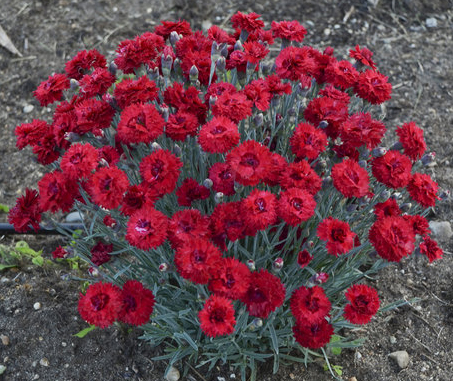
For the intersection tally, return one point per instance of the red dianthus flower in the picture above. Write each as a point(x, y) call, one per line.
point(107, 187)
point(26, 214)
point(230, 279)
point(147, 228)
point(79, 160)
point(187, 224)
point(138, 303)
point(341, 74)
point(30, 133)
point(247, 21)
point(388, 208)
point(304, 258)
point(181, 27)
point(363, 55)
point(257, 92)
point(288, 30)
point(339, 237)
point(300, 175)
point(93, 115)
point(350, 179)
point(360, 129)
point(217, 316)
point(100, 253)
point(101, 305)
point(259, 209)
point(430, 248)
point(57, 192)
point(219, 135)
point(313, 336)
point(265, 294)
point(392, 169)
point(423, 189)
point(190, 191)
point(411, 137)
point(228, 221)
point(293, 63)
point(308, 141)
point(83, 61)
point(222, 177)
point(373, 87)
point(254, 51)
point(96, 83)
point(234, 106)
point(181, 125)
point(141, 90)
point(51, 90)
point(309, 305)
point(364, 303)
point(295, 206)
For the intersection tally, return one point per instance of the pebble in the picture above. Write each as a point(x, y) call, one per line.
point(431, 22)
point(173, 374)
point(441, 230)
point(74, 217)
point(392, 340)
point(327, 32)
point(352, 379)
point(37, 306)
point(4, 339)
point(401, 358)
point(28, 109)
point(44, 362)
point(2, 369)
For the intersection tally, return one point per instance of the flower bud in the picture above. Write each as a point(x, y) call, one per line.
point(362, 163)
point(193, 74)
point(323, 124)
point(208, 183)
point(72, 137)
point(212, 100)
point(74, 84)
point(218, 198)
point(155, 146)
point(103, 163)
point(174, 38)
point(258, 119)
point(167, 63)
point(396, 146)
point(113, 68)
point(319, 278)
point(428, 158)
point(327, 182)
point(251, 265)
point(165, 113)
point(444, 194)
point(405, 207)
point(224, 51)
point(238, 188)
point(220, 65)
point(238, 45)
point(93, 271)
point(177, 150)
point(163, 267)
point(177, 66)
point(277, 265)
point(216, 50)
point(378, 152)
point(257, 322)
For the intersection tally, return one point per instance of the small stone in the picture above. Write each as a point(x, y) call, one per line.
point(327, 32)
point(4, 339)
point(35, 377)
point(431, 22)
point(352, 379)
point(441, 230)
point(74, 217)
point(220, 378)
point(173, 374)
point(64, 343)
point(392, 340)
point(44, 362)
point(37, 306)
point(2, 369)
point(358, 356)
point(292, 376)
point(401, 358)
point(28, 109)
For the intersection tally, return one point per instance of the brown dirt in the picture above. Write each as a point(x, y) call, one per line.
point(417, 59)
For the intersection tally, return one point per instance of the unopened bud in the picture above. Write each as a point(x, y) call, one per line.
point(406, 207)
point(321, 165)
point(177, 66)
point(250, 68)
point(378, 152)
point(327, 182)
point(177, 150)
point(103, 163)
point(193, 74)
point(258, 120)
point(396, 146)
point(257, 322)
point(208, 183)
point(319, 278)
point(444, 194)
point(163, 267)
point(155, 146)
point(93, 271)
point(72, 137)
point(212, 100)
point(238, 188)
point(238, 45)
point(251, 264)
point(323, 124)
point(165, 113)
point(216, 50)
point(74, 84)
point(167, 63)
point(277, 265)
point(220, 64)
point(362, 163)
point(174, 38)
point(428, 158)
point(218, 198)
point(113, 68)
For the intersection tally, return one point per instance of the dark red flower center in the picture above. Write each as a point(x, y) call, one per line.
point(250, 160)
point(296, 203)
point(198, 256)
point(143, 226)
point(225, 175)
point(218, 130)
point(312, 304)
point(76, 158)
point(257, 296)
point(99, 301)
point(130, 303)
point(157, 168)
point(260, 204)
point(106, 183)
point(338, 235)
point(217, 316)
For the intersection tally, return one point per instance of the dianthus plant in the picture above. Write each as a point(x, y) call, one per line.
point(232, 199)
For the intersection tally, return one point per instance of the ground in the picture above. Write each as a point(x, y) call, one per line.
point(412, 44)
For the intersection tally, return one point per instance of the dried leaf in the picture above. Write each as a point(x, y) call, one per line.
point(7, 44)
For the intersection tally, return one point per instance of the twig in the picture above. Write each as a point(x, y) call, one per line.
point(423, 345)
point(198, 374)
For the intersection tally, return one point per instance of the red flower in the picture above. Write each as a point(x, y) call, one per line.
point(96, 83)
point(363, 55)
point(59, 252)
point(265, 294)
point(392, 169)
point(190, 191)
point(341, 74)
point(26, 212)
point(331, 92)
point(313, 336)
point(131, 54)
point(47, 149)
point(254, 51)
point(364, 303)
point(181, 27)
point(419, 223)
point(308, 141)
point(275, 86)
point(141, 90)
point(350, 179)
point(423, 189)
point(411, 137)
point(217, 316)
point(79, 160)
point(83, 61)
point(186, 224)
point(51, 90)
point(373, 87)
point(339, 237)
point(234, 106)
point(219, 135)
point(109, 154)
point(181, 125)
point(161, 170)
point(220, 36)
point(101, 305)
point(295, 206)
point(138, 303)
point(300, 175)
point(304, 258)
point(293, 63)
point(136, 197)
point(57, 192)
point(309, 305)
point(387, 208)
point(140, 123)
point(228, 221)
point(278, 165)
point(196, 260)
point(260, 209)
point(430, 248)
point(218, 88)
point(237, 60)
point(30, 133)
point(222, 177)
point(288, 30)
point(109, 221)
point(360, 129)
point(257, 92)
point(392, 237)
point(250, 161)
point(93, 115)
point(231, 279)
point(247, 21)
point(107, 187)
point(147, 228)
point(100, 253)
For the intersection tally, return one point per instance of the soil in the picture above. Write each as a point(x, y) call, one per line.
point(413, 52)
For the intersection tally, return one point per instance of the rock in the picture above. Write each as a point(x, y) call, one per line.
point(28, 109)
point(4, 339)
point(173, 374)
point(37, 306)
point(352, 379)
point(2, 369)
point(74, 217)
point(431, 22)
point(441, 230)
point(44, 362)
point(401, 358)
point(392, 340)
